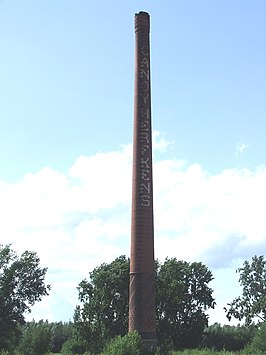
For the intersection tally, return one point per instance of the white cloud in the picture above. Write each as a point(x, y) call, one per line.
point(78, 220)
point(160, 143)
point(200, 211)
point(101, 181)
point(240, 149)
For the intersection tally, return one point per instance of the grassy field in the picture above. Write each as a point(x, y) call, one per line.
point(210, 352)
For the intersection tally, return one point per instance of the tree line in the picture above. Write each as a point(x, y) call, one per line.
point(183, 297)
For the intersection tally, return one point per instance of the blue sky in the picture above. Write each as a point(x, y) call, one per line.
point(66, 119)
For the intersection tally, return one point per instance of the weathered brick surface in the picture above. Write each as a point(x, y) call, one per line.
point(142, 278)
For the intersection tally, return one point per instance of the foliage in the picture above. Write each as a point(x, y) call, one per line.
point(74, 345)
point(36, 338)
point(60, 333)
point(200, 352)
point(104, 314)
point(21, 285)
point(129, 344)
point(41, 337)
point(252, 304)
point(231, 338)
point(259, 341)
point(211, 352)
point(183, 296)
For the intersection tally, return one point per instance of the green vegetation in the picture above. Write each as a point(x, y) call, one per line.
point(104, 311)
point(53, 338)
point(100, 322)
point(182, 297)
point(227, 337)
point(128, 345)
point(252, 304)
point(211, 352)
point(42, 337)
point(21, 285)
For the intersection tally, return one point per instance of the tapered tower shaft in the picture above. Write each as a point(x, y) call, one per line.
point(142, 270)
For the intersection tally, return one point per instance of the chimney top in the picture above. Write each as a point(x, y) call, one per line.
point(142, 21)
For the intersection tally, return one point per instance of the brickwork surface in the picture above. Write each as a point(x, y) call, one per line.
point(142, 277)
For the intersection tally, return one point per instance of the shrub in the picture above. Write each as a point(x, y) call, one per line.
point(74, 346)
point(129, 344)
point(259, 341)
point(230, 338)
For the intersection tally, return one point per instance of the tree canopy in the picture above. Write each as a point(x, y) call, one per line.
point(183, 296)
point(21, 285)
point(105, 303)
point(251, 305)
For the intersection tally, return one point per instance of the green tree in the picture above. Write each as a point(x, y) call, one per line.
point(105, 303)
point(259, 341)
point(183, 296)
point(226, 337)
point(252, 304)
point(60, 333)
point(41, 337)
point(36, 338)
point(21, 285)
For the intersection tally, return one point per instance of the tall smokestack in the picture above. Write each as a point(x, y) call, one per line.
point(142, 268)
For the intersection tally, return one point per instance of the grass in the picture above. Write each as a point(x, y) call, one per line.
point(211, 352)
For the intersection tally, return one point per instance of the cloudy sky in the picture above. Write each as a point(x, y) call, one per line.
point(66, 119)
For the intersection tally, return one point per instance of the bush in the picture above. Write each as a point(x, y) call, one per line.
point(230, 338)
point(259, 341)
point(129, 344)
point(211, 352)
point(165, 347)
point(74, 346)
